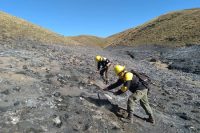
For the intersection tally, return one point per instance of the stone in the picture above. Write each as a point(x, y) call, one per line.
point(5, 92)
point(57, 94)
point(57, 121)
point(17, 88)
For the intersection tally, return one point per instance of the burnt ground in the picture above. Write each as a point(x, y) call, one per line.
point(55, 89)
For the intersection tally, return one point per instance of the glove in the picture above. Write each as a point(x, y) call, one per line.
point(115, 93)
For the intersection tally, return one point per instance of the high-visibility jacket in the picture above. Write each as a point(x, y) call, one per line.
point(130, 82)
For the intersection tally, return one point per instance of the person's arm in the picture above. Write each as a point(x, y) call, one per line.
point(124, 88)
point(116, 84)
point(108, 63)
point(98, 65)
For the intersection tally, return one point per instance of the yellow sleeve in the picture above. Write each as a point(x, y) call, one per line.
point(128, 76)
point(127, 81)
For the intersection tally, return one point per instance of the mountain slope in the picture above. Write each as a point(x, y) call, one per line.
point(89, 40)
point(14, 30)
point(174, 29)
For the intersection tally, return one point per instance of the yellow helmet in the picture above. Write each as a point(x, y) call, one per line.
point(118, 69)
point(98, 58)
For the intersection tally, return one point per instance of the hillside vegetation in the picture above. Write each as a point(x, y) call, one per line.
point(15, 30)
point(173, 29)
point(89, 40)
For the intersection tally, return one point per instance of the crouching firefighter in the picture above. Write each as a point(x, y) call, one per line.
point(139, 92)
point(103, 65)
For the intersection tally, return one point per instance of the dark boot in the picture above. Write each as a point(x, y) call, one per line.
point(106, 82)
point(151, 119)
point(130, 117)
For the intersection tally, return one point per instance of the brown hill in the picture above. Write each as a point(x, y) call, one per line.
point(89, 40)
point(15, 30)
point(178, 28)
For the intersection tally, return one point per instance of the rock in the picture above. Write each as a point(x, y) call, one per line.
point(195, 111)
point(6, 92)
point(10, 66)
point(76, 127)
point(184, 116)
point(131, 54)
point(81, 98)
point(152, 60)
point(81, 87)
point(47, 70)
point(58, 99)
point(25, 67)
point(17, 88)
point(86, 127)
point(42, 98)
point(170, 84)
point(6, 100)
point(16, 103)
point(189, 127)
point(57, 121)
point(57, 94)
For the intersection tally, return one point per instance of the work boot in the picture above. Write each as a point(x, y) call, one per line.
point(151, 119)
point(130, 117)
point(106, 82)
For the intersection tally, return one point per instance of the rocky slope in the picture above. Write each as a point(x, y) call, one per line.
point(178, 28)
point(52, 88)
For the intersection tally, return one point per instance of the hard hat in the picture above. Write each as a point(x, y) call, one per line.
point(98, 58)
point(118, 69)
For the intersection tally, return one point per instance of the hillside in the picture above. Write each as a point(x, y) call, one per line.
point(14, 30)
point(89, 40)
point(173, 29)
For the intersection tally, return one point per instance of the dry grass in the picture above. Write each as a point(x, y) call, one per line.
point(173, 29)
point(89, 40)
point(13, 29)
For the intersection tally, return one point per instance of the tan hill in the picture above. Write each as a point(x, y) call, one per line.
point(89, 40)
point(173, 29)
point(13, 29)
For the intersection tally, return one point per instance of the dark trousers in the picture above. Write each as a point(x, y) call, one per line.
point(104, 73)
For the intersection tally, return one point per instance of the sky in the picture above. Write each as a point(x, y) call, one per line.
point(92, 17)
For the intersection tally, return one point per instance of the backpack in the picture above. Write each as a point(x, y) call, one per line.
point(143, 78)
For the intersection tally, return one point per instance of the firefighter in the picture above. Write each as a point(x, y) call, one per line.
point(103, 65)
point(139, 92)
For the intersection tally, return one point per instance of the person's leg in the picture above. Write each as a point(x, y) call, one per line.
point(106, 75)
point(132, 101)
point(102, 72)
point(145, 105)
